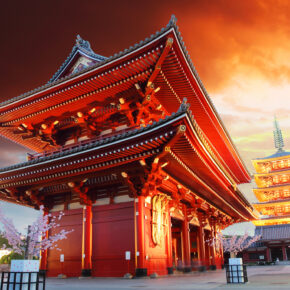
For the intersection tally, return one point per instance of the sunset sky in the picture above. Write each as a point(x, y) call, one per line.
point(241, 50)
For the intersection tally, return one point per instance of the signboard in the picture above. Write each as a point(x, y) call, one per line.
point(61, 257)
point(127, 255)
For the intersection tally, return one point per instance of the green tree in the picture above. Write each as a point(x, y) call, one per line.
point(12, 256)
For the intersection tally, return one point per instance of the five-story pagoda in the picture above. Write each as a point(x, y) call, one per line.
point(273, 182)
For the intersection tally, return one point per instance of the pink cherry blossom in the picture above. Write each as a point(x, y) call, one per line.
point(37, 236)
point(234, 244)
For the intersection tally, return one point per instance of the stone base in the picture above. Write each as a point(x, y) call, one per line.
point(141, 272)
point(212, 267)
point(128, 276)
point(186, 269)
point(154, 276)
point(170, 270)
point(202, 268)
point(86, 272)
point(42, 272)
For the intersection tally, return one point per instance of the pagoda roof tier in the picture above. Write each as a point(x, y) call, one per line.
point(269, 221)
point(267, 165)
point(273, 157)
point(277, 192)
point(273, 232)
point(272, 179)
point(177, 142)
point(273, 208)
point(273, 203)
point(160, 66)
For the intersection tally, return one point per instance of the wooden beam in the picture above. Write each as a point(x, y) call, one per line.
point(158, 65)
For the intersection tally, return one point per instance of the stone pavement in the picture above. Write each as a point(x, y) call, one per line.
point(260, 277)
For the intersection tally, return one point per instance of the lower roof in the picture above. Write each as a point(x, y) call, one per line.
point(274, 232)
point(275, 155)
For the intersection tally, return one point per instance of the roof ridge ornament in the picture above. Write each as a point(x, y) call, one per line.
point(184, 106)
point(173, 20)
point(278, 136)
point(80, 42)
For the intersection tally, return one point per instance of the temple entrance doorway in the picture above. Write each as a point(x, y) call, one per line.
point(207, 243)
point(288, 252)
point(277, 253)
point(194, 256)
point(177, 258)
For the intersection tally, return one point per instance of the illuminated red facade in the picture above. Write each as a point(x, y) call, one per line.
point(133, 151)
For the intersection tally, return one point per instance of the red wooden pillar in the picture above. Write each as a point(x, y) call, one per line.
point(201, 241)
point(43, 259)
point(222, 253)
point(212, 252)
point(169, 245)
point(186, 242)
point(268, 254)
point(141, 270)
point(284, 253)
point(87, 241)
point(212, 246)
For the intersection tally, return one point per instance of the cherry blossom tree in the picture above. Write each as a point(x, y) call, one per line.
point(235, 244)
point(37, 239)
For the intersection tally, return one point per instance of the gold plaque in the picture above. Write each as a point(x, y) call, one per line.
point(159, 217)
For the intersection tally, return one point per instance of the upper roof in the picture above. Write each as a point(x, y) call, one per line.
point(177, 79)
point(272, 203)
point(275, 155)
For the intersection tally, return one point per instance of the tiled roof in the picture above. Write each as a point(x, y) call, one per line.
point(286, 200)
point(277, 154)
point(276, 232)
point(256, 244)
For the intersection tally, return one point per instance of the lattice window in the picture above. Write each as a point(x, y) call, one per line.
point(281, 164)
point(278, 210)
point(286, 193)
point(276, 194)
point(284, 178)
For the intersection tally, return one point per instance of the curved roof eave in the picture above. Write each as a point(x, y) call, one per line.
point(275, 155)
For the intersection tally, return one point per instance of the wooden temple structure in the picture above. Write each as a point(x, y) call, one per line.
point(131, 148)
point(273, 193)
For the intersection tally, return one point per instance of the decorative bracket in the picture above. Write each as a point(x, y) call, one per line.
point(81, 190)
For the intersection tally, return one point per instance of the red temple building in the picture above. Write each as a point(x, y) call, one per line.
point(273, 193)
point(131, 148)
